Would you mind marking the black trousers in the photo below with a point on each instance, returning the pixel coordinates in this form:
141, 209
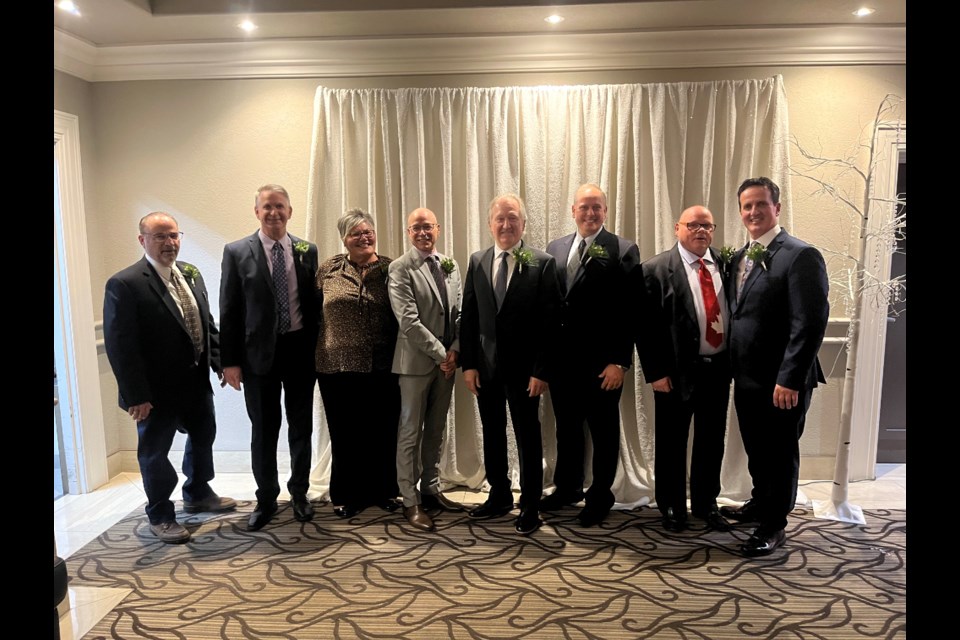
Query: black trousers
492, 400
707, 404
578, 398
195, 413
771, 438
363, 410
293, 373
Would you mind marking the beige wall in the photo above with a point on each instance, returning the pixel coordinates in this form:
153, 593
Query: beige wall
199, 149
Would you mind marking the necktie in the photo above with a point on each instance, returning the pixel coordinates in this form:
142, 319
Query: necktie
434, 263
574, 265
280, 289
747, 266
500, 286
191, 317
711, 306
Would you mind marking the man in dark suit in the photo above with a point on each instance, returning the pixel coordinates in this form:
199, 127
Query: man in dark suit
778, 315
683, 351
268, 324
600, 281
507, 331
424, 290
161, 342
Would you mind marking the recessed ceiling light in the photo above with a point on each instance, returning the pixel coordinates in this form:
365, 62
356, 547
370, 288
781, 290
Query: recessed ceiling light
554, 19
863, 11
247, 26
69, 7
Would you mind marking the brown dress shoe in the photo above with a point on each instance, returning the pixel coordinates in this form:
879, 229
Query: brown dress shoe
418, 518
438, 501
170, 532
211, 504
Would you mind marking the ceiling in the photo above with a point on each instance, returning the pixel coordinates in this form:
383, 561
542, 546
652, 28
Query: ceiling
128, 39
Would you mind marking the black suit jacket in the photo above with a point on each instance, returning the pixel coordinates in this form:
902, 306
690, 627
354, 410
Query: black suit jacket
669, 339
248, 304
147, 341
518, 341
599, 313
778, 324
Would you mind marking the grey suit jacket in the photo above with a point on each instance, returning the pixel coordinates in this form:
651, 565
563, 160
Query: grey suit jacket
416, 302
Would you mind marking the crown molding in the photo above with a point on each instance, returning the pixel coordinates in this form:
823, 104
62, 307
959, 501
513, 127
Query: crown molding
702, 48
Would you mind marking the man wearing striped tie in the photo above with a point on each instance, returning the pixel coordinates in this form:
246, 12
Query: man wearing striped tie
162, 344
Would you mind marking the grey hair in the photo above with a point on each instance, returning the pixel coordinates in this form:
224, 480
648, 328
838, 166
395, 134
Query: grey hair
271, 187
350, 219
508, 196
589, 185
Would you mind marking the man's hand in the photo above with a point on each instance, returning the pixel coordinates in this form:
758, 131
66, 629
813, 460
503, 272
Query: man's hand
663, 385
536, 387
449, 364
233, 376
784, 398
140, 411
472, 378
612, 377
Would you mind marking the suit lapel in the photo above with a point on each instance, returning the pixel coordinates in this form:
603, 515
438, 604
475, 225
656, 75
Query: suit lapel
259, 255
203, 305
601, 240
757, 271
681, 283
563, 252
160, 288
426, 274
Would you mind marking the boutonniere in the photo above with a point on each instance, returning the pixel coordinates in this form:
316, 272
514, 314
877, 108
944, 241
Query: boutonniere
448, 265
300, 248
596, 251
191, 273
524, 258
758, 253
726, 254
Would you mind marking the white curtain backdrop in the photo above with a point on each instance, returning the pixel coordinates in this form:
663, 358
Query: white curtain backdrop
654, 148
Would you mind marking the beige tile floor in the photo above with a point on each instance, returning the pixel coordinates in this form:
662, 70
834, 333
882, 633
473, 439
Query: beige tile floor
78, 519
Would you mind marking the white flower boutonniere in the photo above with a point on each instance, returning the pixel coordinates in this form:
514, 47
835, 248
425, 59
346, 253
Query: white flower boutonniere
524, 258
448, 265
758, 253
191, 273
301, 248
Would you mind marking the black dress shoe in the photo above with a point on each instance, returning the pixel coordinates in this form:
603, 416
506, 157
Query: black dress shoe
557, 500
491, 510
418, 518
389, 505
302, 509
590, 515
748, 512
261, 516
438, 501
674, 520
346, 511
714, 520
527, 522
762, 542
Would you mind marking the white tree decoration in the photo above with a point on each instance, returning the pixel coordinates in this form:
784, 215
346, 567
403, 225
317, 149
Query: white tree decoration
851, 189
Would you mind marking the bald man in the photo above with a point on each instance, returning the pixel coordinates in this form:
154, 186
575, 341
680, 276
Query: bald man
683, 352
424, 289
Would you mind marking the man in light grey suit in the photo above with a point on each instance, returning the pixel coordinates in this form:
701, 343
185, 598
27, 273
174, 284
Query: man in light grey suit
424, 289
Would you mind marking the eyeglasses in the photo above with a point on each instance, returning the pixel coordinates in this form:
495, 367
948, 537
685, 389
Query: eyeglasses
422, 228
706, 226
160, 237
366, 233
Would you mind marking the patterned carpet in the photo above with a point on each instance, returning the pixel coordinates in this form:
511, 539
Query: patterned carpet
376, 577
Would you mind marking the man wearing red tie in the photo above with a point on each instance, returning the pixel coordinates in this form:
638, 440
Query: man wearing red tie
683, 354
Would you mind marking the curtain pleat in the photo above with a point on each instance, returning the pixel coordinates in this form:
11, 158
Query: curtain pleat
654, 148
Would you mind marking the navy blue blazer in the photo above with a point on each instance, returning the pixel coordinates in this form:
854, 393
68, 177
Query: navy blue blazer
248, 305
778, 324
147, 342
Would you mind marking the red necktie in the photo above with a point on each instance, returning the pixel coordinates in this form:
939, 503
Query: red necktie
711, 306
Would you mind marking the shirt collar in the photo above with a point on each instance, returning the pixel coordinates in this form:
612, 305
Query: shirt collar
768, 237
689, 257
268, 242
163, 270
